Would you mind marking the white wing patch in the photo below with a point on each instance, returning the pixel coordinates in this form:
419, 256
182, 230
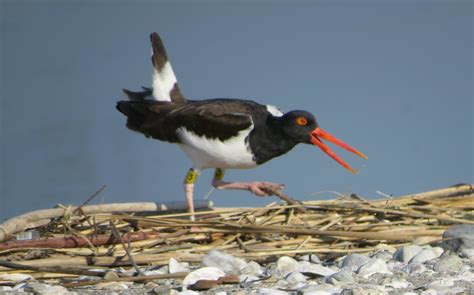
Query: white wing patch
274, 110
163, 82
213, 153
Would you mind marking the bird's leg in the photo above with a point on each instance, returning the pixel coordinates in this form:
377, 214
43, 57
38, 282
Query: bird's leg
189, 189
259, 188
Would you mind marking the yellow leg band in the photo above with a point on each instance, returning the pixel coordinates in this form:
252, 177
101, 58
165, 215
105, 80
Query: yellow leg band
191, 176
218, 174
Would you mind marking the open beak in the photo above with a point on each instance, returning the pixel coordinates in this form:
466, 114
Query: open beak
316, 136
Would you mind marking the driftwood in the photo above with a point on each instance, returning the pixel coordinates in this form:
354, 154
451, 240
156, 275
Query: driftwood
328, 228
20, 223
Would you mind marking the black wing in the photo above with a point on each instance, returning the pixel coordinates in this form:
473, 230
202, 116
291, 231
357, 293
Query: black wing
217, 118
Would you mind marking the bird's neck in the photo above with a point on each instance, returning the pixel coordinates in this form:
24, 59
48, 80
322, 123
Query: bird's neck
268, 141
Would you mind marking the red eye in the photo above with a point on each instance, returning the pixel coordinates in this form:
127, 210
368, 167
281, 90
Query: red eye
301, 121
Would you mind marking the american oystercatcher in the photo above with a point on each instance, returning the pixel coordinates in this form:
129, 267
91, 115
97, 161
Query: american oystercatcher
219, 133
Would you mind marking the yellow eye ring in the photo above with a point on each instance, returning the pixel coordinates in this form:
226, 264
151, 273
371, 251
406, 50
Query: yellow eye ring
301, 121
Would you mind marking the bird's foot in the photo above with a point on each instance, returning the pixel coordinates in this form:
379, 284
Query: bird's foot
263, 188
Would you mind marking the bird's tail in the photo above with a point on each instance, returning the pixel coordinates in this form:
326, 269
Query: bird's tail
135, 111
165, 85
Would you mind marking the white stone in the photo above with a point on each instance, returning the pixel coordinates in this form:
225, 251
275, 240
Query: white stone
252, 268
467, 253
373, 266
423, 256
406, 253
429, 292
398, 284
175, 266
354, 261
295, 278
315, 269
188, 292
15, 277
286, 264
270, 291
204, 273
226, 262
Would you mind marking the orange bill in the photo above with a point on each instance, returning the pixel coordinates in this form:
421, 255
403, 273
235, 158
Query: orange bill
318, 134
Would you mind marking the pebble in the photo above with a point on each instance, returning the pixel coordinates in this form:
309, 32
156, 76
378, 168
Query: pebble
252, 268
467, 253
175, 266
460, 236
110, 275
345, 276
39, 288
384, 255
395, 284
354, 261
406, 253
449, 263
310, 258
204, 273
188, 292
270, 291
320, 289
429, 292
367, 289
286, 265
15, 277
295, 278
315, 270
226, 262
114, 286
423, 256
375, 265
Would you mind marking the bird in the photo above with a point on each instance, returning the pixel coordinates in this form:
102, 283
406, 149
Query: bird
220, 133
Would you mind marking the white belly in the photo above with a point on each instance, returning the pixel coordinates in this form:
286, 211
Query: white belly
213, 153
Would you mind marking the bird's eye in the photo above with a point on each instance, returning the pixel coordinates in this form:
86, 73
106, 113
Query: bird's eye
301, 121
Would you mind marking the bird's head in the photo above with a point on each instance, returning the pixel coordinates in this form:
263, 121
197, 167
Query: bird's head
302, 127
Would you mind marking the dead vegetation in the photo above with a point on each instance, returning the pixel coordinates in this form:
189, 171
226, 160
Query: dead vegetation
79, 240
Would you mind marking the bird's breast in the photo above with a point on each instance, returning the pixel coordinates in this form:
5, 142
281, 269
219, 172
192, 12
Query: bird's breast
207, 152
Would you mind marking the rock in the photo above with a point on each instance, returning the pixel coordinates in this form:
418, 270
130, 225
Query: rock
396, 284
438, 250
373, 266
367, 289
322, 289
252, 268
188, 292
295, 278
345, 276
429, 292
423, 256
5, 288
286, 265
157, 271
459, 237
415, 269
310, 258
110, 275
448, 263
39, 288
114, 286
270, 291
204, 273
467, 253
220, 293
15, 277
175, 266
315, 270
354, 261
442, 282
226, 262
406, 253
384, 255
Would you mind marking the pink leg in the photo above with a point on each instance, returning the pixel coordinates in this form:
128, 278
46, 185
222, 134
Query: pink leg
259, 188
189, 189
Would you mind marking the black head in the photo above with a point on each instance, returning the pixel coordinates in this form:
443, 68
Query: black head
301, 127
298, 125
